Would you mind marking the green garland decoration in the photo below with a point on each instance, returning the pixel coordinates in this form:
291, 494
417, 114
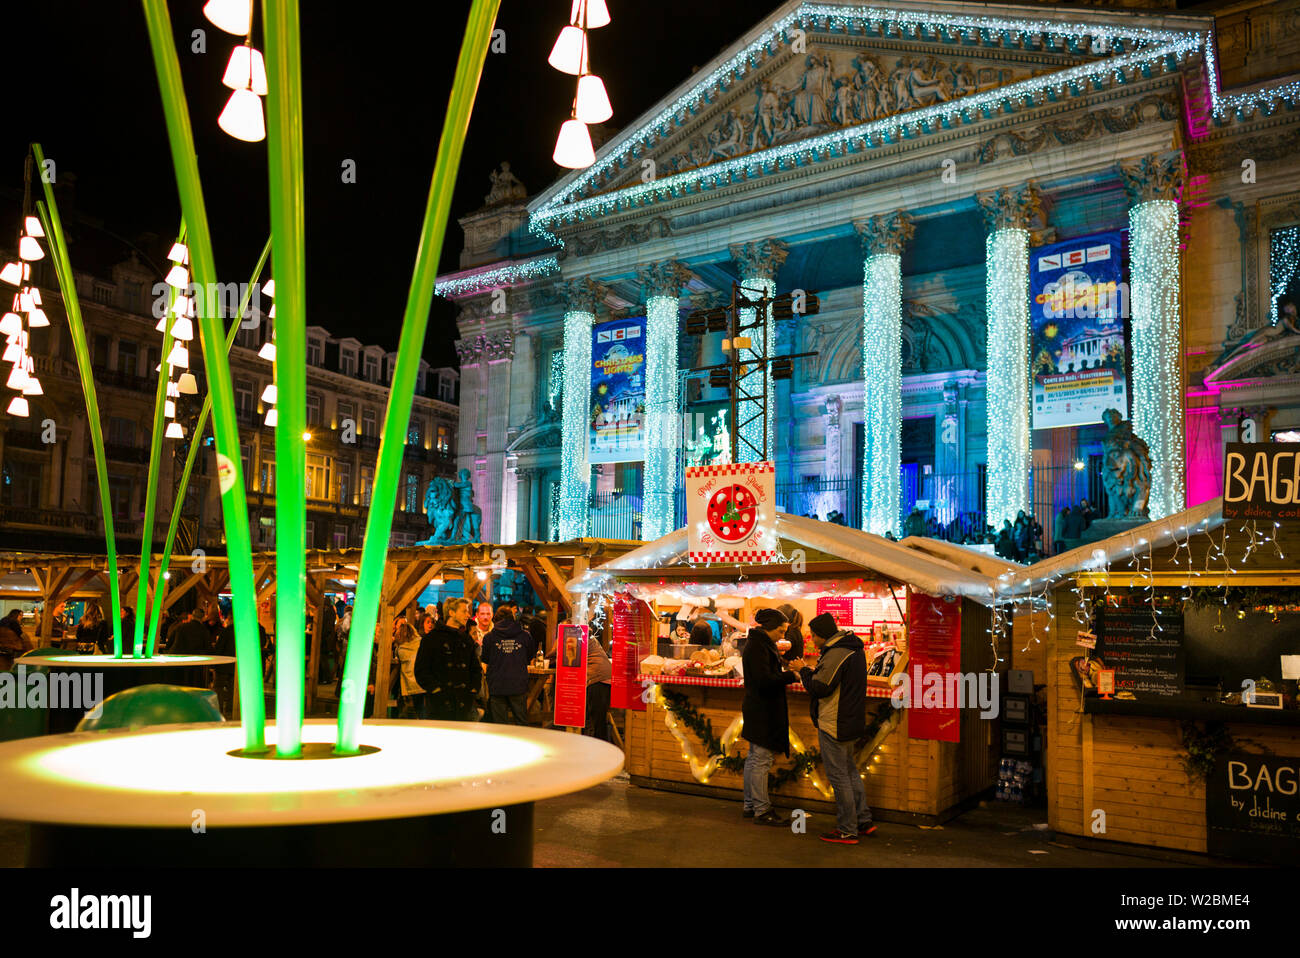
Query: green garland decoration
1204, 748
800, 765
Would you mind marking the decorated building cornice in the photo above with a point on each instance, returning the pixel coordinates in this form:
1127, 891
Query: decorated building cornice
884, 233
663, 279
761, 258
1011, 207
629, 234
484, 347
1156, 176
581, 295
1075, 128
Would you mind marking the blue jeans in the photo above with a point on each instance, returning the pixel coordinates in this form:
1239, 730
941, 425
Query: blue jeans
757, 764
851, 810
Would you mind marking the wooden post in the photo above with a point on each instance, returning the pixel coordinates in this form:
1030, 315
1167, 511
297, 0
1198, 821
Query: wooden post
387, 613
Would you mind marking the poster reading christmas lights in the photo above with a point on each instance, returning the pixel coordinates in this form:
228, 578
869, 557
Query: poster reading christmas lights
1076, 318
618, 391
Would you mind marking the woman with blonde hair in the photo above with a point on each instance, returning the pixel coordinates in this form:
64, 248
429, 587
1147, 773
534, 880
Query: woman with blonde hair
92, 629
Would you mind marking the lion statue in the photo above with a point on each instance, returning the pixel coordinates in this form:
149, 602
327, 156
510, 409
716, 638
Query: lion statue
1127, 472
440, 507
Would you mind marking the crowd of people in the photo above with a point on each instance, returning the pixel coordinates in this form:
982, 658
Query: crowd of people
1018, 541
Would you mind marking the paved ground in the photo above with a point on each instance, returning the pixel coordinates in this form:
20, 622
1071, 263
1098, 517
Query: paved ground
618, 824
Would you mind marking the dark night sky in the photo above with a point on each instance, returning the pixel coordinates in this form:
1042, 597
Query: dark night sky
375, 89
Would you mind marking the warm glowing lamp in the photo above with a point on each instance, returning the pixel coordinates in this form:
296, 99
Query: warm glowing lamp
32, 227
271, 416
597, 14
573, 146
593, 103
269, 288
33, 387
178, 276
169, 409
17, 378
306, 437
268, 394
12, 324
179, 356
162, 325
13, 353
267, 352
187, 384
29, 249
174, 431
567, 54
233, 16
242, 117
37, 318
246, 70
179, 253
183, 329
12, 274
173, 391
18, 406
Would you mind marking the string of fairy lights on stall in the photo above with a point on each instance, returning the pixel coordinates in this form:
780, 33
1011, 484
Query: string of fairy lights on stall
573, 147
245, 73
25, 315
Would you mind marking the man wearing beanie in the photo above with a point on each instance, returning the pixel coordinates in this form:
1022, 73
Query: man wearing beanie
838, 690
766, 717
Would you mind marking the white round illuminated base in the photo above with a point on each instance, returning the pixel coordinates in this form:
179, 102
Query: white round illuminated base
156, 778
70, 661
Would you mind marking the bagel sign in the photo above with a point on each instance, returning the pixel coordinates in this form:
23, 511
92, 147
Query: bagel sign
731, 512
1261, 481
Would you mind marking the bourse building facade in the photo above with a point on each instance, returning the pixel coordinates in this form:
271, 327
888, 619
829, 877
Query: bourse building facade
914, 166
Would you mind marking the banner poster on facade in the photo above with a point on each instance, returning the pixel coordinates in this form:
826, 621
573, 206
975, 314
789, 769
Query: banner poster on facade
731, 512
1077, 347
635, 632
618, 391
571, 676
933, 667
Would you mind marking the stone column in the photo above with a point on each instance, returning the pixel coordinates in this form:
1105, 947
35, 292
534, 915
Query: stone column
524, 477
758, 264
1154, 184
1008, 213
662, 284
581, 297
882, 240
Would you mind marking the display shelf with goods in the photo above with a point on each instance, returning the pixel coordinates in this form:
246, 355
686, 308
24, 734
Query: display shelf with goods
690, 736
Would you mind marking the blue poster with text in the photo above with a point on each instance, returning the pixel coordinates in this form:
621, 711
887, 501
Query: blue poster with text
617, 432
1077, 308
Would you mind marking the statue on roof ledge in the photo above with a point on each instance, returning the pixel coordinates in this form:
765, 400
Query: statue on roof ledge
506, 187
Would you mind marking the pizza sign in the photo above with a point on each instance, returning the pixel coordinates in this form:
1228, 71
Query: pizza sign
731, 512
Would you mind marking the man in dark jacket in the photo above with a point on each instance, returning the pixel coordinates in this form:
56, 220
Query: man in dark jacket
447, 666
838, 690
765, 713
190, 637
507, 650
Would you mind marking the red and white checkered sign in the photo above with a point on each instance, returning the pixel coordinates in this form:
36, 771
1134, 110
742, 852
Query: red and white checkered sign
731, 512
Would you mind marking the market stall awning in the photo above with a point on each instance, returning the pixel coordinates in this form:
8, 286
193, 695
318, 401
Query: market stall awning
1097, 556
871, 553
962, 556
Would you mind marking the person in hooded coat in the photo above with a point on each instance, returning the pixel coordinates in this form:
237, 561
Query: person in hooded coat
765, 712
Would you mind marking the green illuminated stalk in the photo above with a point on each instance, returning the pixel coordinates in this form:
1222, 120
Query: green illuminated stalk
53, 227
155, 463
383, 500
234, 502
160, 585
284, 163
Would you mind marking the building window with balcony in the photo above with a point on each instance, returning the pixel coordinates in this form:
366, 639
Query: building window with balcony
317, 475
119, 494
340, 536
100, 354
266, 535
348, 362
412, 492
419, 383
444, 439
367, 484
344, 470
315, 352
310, 528
21, 483
127, 355
121, 432
446, 389
414, 432
103, 294
314, 406
372, 368
347, 412
368, 427
266, 477
243, 396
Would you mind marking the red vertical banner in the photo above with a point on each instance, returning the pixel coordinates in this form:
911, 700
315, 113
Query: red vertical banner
933, 667
571, 676
633, 625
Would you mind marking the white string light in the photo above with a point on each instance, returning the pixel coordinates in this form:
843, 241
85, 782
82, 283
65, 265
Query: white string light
575, 469
882, 372
658, 514
1007, 383
509, 275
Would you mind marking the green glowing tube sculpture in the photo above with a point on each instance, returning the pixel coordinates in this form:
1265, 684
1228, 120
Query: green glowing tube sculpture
284, 163
155, 463
53, 227
234, 502
383, 500
196, 440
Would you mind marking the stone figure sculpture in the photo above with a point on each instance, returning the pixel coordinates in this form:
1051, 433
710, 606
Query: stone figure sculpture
1126, 475
451, 511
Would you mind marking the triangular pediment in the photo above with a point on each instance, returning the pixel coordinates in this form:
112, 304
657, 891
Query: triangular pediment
827, 79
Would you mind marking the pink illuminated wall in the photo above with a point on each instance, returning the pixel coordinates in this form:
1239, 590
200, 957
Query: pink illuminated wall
1204, 455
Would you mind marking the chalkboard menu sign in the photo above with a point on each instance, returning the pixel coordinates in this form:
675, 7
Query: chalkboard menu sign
1149, 666
1252, 810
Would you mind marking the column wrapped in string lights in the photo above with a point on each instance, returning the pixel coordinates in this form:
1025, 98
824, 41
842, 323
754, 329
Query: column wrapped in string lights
1007, 215
581, 298
662, 283
882, 239
1154, 185
758, 264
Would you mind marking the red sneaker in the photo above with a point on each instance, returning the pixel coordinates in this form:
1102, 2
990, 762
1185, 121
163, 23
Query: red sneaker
838, 837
